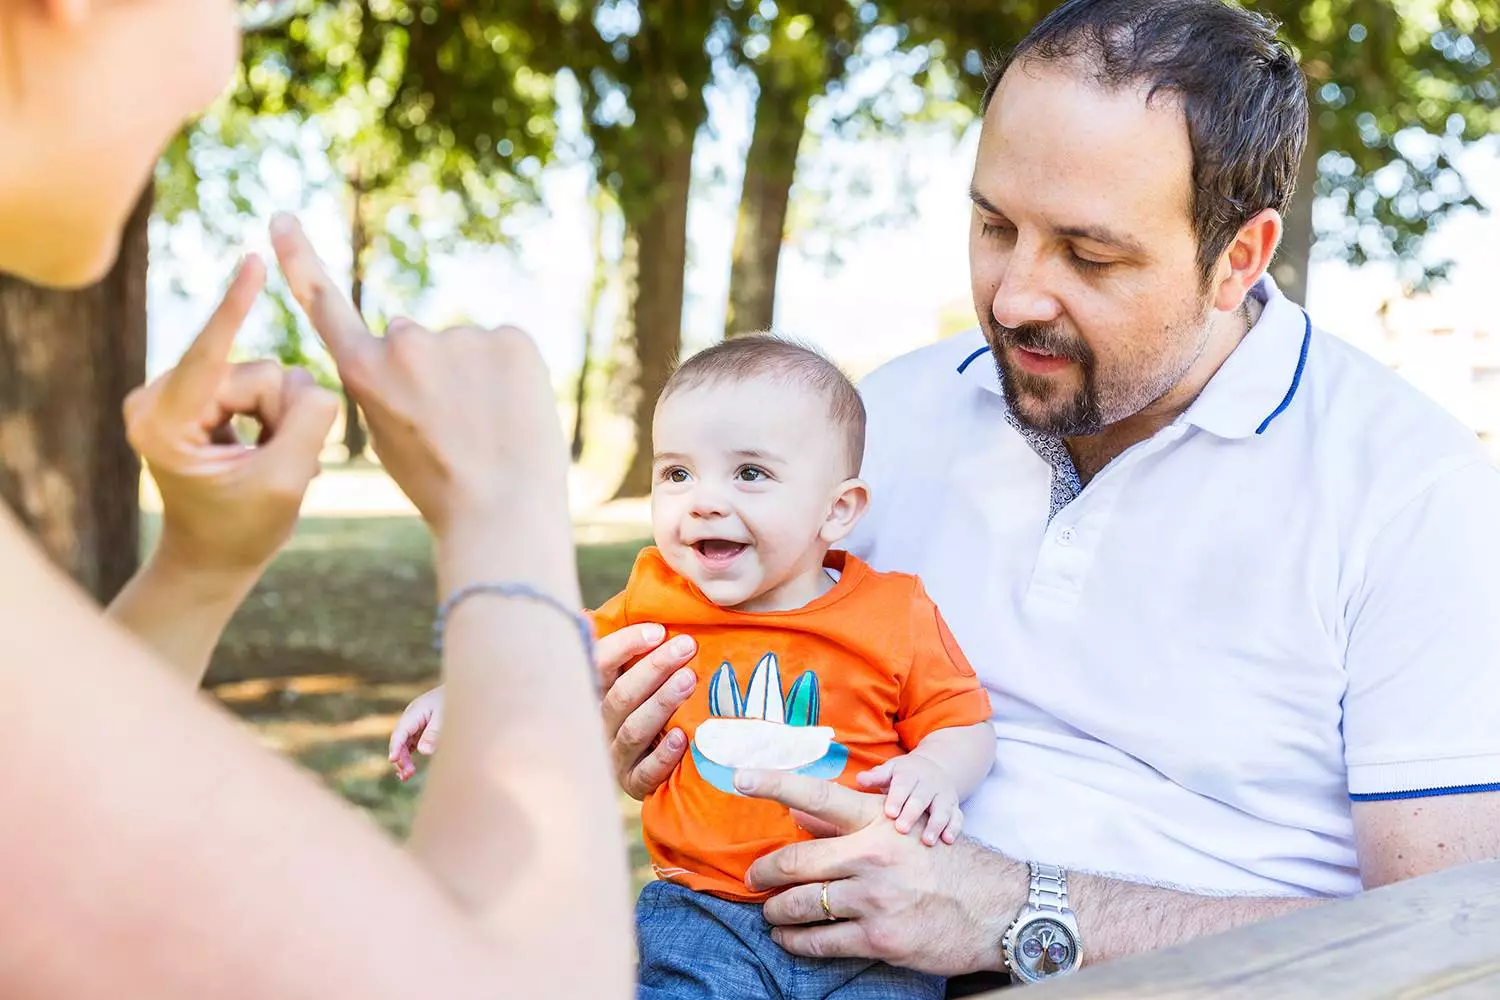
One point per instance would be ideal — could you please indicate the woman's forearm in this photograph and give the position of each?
(519, 818)
(153, 836)
(179, 611)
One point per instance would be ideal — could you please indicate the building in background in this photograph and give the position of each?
(1449, 353)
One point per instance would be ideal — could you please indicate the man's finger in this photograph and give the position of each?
(618, 650)
(803, 904)
(842, 808)
(331, 314)
(806, 862)
(657, 766)
(192, 384)
(846, 939)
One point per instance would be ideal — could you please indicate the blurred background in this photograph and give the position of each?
(632, 180)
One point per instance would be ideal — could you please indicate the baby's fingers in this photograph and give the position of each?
(940, 816)
(876, 777)
(903, 786)
(916, 804)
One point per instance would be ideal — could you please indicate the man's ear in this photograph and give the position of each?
(849, 505)
(1245, 260)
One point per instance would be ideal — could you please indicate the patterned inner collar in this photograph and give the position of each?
(1066, 483)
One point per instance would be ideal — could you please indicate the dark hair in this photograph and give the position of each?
(764, 356)
(1241, 90)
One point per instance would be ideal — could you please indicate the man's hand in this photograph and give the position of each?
(940, 910)
(640, 700)
(915, 785)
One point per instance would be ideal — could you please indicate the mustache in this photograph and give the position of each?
(1045, 338)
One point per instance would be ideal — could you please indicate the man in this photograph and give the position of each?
(1231, 585)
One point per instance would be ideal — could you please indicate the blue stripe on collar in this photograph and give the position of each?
(1296, 377)
(972, 358)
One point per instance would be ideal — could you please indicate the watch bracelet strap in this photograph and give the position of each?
(1049, 888)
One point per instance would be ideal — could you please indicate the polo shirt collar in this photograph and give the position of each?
(1250, 390)
(1257, 383)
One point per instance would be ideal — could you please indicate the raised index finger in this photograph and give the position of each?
(330, 313)
(195, 380)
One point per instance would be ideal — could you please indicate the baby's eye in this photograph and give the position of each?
(676, 474)
(750, 474)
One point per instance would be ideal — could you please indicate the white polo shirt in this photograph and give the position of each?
(1288, 598)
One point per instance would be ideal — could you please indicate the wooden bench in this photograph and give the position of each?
(1435, 936)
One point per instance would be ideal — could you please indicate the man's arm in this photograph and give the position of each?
(1402, 838)
(944, 910)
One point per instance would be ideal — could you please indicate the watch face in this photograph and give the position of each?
(1044, 948)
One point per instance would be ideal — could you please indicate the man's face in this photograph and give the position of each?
(1082, 252)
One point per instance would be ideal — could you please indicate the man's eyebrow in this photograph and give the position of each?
(983, 202)
(1101, 234)
(1095, 233)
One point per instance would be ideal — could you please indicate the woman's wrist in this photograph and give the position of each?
(174, 565)
(518, 541)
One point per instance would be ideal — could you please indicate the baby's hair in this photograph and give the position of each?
(764, 355)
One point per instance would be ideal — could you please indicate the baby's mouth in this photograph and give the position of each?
(718, 551)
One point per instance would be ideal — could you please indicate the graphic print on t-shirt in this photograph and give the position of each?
(759, 728)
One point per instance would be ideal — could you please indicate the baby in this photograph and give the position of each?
(852, 674)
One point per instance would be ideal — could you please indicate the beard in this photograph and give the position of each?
(1041, 403)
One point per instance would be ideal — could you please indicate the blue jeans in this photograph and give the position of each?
(694, 946)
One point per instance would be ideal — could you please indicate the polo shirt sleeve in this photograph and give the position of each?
(1422, 707)
(941, 690)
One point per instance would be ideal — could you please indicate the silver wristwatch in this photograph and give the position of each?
(1043, 943)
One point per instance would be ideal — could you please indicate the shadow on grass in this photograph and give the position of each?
(336, 639)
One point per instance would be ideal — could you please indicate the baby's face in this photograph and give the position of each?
(745, 478)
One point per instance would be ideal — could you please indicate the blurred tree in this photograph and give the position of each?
(797, 49)
(804, 52)
(1396, 91)
(431, 119)
(67, 361)
(642, 70)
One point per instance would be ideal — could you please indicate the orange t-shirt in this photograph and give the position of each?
(858, 676)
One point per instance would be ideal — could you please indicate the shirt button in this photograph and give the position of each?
(1066, 536)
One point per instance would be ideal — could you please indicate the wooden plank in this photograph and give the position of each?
(1436, 936)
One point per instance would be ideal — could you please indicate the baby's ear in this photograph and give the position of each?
(849, 505)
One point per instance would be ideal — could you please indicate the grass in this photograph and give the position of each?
(335, 640)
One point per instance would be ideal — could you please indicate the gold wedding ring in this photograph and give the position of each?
(823, 900)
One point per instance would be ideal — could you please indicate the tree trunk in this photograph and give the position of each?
(355, 438)
(590, 320)
(1295, 255)
(770, 167)
(67, 361)
(658, 225)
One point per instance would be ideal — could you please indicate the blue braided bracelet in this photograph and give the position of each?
(522, 591)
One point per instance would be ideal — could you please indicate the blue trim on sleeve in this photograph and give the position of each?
(972, 358)
(1424, 793)
(1296, 378)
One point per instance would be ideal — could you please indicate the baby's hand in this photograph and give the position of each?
(917, 785)
(418, 730)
